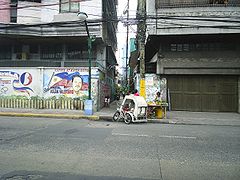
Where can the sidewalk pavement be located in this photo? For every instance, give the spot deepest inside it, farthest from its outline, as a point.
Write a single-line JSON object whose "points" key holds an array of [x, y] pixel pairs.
{"points": [[106, 113]]}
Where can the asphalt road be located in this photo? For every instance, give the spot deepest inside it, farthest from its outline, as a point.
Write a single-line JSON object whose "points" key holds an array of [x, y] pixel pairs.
{"points": [[38, 148]]}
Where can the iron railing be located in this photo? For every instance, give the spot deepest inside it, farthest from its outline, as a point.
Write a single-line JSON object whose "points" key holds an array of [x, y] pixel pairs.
{"points": [[48, 63]]}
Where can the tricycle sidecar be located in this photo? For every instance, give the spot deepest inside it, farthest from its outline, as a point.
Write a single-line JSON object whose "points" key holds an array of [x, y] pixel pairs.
{"points": [[134, 109]]}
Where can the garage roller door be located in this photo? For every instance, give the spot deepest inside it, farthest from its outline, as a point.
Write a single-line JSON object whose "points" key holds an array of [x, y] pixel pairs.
{"points": [[203, 93]]}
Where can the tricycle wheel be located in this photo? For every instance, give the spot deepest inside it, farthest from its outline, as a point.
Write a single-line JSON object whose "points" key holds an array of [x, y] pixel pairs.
{"points": [[128, 119], [116, 116]]}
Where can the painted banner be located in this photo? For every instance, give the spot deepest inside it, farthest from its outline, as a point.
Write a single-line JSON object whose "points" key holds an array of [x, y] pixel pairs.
{"points": [[47, 82], [23, 82], [70, 82]]}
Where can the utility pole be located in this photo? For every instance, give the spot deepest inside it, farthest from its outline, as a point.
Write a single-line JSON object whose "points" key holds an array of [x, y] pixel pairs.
{"points": [[141, 37], [127, 45]]}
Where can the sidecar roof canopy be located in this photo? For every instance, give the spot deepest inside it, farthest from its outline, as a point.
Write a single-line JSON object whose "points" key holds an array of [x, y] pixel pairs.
{"points": [[138, 100]]}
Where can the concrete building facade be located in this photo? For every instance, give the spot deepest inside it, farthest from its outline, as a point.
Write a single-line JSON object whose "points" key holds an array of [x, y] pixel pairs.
{"points": [[195, 46], [48, 33], [4, 11]]}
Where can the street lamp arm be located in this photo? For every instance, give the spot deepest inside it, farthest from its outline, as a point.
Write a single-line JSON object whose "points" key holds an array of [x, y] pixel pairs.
{"points": [[87, 28], [83, 17]]}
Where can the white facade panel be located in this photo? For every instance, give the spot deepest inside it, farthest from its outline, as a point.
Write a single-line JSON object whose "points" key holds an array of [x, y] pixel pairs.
{"points": [[191, 20], [49, 9], [28, 12], [93, 8]]}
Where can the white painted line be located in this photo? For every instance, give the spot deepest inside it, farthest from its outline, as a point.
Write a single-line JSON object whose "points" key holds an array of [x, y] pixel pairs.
{"points": [[133, 135], [178, 137], [162, 136]]}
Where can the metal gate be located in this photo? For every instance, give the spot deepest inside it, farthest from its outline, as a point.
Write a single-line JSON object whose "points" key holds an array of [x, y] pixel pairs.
{"points": [[203, 93]]}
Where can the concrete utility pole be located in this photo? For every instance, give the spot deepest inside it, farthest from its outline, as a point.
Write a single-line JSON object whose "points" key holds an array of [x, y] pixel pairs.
{"points": [[141, 37], [127, 45]]}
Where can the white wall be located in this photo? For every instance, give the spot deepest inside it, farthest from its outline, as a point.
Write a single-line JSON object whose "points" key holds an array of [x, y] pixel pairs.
{"points": [[48, 12], [93, 8], [28, 15], [198, 24], [39, 13], [44, 14]]}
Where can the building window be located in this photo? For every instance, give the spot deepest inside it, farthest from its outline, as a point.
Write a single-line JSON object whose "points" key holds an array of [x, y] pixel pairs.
{"points": [[201, 47], [178, 3], [218, 1], [68, 6], [5, 52], [51, 52], [39, 1], [185, 47], [33, 49], [76, 52], [13, 13], [173, 47]]}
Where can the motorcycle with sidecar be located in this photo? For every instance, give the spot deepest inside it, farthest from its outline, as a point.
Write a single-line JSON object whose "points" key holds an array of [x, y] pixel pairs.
{"points": [[132, 109]]}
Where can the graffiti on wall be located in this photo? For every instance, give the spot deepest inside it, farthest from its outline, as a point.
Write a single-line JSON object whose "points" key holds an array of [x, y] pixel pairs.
{"points": [[15, 82]]}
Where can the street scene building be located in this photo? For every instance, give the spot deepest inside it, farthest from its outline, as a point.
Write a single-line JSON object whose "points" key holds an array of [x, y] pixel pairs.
{"points": [[50, 35], [195, 46]]}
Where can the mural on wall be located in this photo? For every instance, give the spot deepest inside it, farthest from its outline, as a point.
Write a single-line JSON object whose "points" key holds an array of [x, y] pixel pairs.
{"points": [[49, 82], [70, 82], [16, 83]]}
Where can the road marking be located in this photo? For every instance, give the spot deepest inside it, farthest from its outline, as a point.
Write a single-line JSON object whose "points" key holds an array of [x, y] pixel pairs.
{"points": [[179, 137], [133, 135], [162, 136]]}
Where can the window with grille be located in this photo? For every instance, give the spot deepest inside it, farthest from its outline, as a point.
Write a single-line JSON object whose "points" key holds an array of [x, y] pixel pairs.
{"points": [[183, 3], [39, 1], [179, 47], [5, 52], [13, 13], [69, 6], [51, 52]]}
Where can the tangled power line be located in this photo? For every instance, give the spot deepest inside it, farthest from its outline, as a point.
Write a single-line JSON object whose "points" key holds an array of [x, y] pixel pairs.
{"points": [[232, 22]]}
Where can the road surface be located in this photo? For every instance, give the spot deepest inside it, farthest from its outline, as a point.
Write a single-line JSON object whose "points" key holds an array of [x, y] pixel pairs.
{"points": [[39, 148]]}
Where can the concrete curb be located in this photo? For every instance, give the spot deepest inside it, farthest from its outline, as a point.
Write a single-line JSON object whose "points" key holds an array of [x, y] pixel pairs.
{"points": [[72, 116], [109, 118], [104, 117], [67, 116]]}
